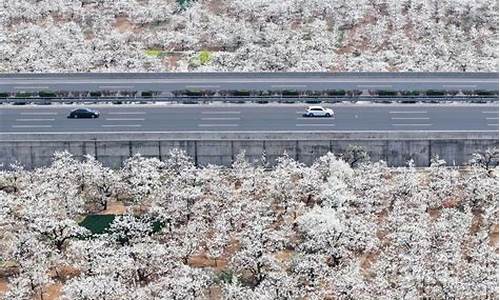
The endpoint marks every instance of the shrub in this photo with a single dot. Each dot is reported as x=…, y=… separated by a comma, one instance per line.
x=240, y=93
x=435, y=93
x=336, y=92
x=24, y=95
x=289, y=93
x=4, y=95
x=386, y=93
x=95, y=94
x=46, y=94
x=205, y=57
x=485, y=93
x=410, y=93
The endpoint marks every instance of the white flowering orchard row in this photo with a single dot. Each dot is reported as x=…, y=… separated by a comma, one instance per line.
x=248, y=35
x=327, y=231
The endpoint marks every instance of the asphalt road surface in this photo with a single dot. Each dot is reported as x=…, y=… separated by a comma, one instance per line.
x=237, y=81
x=267, y=117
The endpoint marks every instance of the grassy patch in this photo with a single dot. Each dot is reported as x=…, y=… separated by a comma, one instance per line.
x=154, y=53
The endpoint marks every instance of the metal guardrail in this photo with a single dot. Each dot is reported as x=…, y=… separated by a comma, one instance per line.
x=242, y=99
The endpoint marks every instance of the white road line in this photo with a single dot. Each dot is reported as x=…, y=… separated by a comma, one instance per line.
x=219, y=112
x=127, y=113
x=492, y=118
x=411, y=124
x=315, y=118
x=124, y=119
x=374, y=86
x=490, y=112
x=33, y=120
x=38, y=113
x=202, y=86
x=493, y=124
x=116, y=86
x=31, y=87
x=409, y=112
x=31, y=126
x=289, y=86
x=302, y=125
x=122, y=125
x=422, y=118
x=214, y=119
x=457, y=86
x=218, y=125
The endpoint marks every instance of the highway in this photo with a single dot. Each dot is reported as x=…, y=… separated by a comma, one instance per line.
x=251, y=117
x=165, y=82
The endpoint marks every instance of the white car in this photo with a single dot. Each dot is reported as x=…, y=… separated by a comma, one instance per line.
x=318, y=111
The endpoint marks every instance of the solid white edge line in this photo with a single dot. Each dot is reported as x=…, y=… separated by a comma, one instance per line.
x=490, y=112
x=201, y=86
x=492, y=118
x=492, y=124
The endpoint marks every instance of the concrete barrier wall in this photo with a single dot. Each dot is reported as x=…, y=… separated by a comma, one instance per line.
x=396, y=149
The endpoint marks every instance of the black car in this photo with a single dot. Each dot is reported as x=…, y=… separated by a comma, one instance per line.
x=83, y=113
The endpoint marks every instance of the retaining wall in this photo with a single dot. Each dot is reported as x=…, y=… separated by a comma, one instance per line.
x=221, y=148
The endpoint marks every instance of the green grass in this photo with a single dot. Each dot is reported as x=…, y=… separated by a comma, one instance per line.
x=154, y=53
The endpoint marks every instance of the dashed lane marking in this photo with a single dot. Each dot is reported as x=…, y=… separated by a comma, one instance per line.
x=411, y=124
x=127, y=113
x=303, y=125
x=31, y=126
x=218, y=125
x=409, y=112
x=33, y=120
x=220, y=112
x=416, y=118
x=38, y=113
x=124, y=119
x=122, y=125
x=219, y=119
